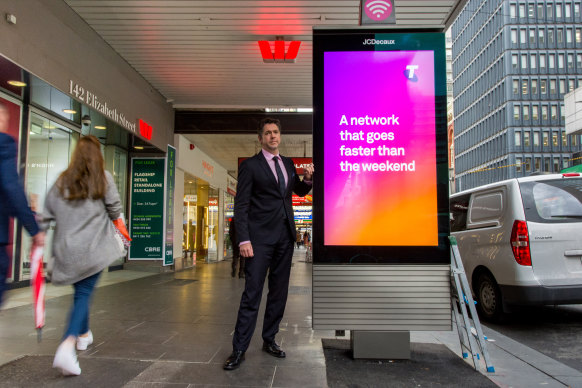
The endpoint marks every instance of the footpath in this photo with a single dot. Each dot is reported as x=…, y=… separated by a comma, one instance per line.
x=175, y=330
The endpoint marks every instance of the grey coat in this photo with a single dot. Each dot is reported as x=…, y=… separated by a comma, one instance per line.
x=84, y=239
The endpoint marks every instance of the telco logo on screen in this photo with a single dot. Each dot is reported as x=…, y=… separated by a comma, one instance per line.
x=409, y=72
x=376, y=41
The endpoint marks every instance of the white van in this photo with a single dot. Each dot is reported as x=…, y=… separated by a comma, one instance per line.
x=521, y=241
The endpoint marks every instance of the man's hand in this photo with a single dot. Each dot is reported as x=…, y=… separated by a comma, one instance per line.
x=38, y=240
x=246, y=250
x=308, y=176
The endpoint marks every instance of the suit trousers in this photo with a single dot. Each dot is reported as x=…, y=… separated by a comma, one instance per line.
x=276, y=259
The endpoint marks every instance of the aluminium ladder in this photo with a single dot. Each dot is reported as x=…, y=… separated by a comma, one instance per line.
x=470, y=333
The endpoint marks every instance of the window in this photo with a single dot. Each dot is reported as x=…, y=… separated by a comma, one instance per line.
x=552, y=86
x=568, y=35
x=524, y=61
x=542, y=61
x=562, y=84
x=565, y=162
x=522, y=10
x=560, y=35
x=526, y=117
x=574, y=140
x=532, y=36
x=526, y=137
x=555, y=139
x=536, y=139
x=517, y=164
x=550, y=11
x=578, y=35
x=528, y=164
x=579, y=61
x=524, y=88
x=516, y=112
x=540, y=11
x=531, y=11
x=551, y=61
x=515, y=87
x=570, y=85
x=554, y=113
x=558, y=10
x=535, y=116
x=568, y=10
x=513, y=36
x=518, y=139
x=546, y=138
x=560, y=61
x=534, y=86
x=577, y=10
x=543, y=86
x=546, y=164
x=522, y=39
x=564, y=139
x=556, y=164
x=532, y=61
x=570, y=61
x=537, y=164
x=541, y=36
x=550, y=36
x=514, y=61
x=513, y=11
x=544, y=115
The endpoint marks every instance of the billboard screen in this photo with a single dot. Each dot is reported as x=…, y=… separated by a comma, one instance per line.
x=379, y=133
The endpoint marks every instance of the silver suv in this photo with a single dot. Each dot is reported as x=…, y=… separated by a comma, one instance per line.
x=521, y=241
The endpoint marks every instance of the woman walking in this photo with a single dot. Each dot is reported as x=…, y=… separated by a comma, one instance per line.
x=82, y=203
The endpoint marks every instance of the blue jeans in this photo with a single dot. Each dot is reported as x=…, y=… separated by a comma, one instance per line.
x=79, y=315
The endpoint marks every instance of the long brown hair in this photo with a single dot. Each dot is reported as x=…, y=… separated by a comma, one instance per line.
x=85, y=176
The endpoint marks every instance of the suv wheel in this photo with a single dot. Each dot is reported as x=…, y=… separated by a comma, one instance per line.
x=489, y=303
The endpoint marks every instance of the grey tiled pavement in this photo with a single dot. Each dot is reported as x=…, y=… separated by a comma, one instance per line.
x=175, y=330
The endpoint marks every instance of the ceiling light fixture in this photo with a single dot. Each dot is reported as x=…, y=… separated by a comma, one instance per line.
x=18, y=84
x=100, y=127
x=70, y=111
x=138, y=147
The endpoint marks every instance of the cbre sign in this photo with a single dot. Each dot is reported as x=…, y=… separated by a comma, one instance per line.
x=377, y=12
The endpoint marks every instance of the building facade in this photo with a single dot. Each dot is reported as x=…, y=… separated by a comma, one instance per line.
x=513, y=63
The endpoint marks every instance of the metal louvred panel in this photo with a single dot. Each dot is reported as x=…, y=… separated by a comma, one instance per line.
x=385, y=297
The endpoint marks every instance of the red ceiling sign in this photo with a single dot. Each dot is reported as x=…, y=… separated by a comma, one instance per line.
x=279, y=55
x=145, y=129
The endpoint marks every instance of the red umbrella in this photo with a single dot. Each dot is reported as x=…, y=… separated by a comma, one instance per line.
x=37, y=282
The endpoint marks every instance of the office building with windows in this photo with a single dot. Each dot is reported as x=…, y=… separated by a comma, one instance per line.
x=513, y=62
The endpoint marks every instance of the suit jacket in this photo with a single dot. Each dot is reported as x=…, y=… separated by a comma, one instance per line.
x=12, y=198
x=258, y=204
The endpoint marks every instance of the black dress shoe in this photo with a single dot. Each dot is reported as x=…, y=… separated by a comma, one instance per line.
x=273, y=349
x=234, y=360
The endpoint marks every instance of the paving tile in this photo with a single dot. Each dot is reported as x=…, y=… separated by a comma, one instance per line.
x=304, y=377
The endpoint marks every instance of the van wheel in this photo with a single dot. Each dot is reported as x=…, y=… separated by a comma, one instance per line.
x=489, y=304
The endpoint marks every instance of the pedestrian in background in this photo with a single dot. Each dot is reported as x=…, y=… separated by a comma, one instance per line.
x=236, y=257
x=82, y=203
x=12, y=198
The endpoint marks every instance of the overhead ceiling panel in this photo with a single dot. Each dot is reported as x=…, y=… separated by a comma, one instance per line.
x=204, y=54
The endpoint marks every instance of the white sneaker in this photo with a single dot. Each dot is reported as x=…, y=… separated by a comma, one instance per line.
x=83, y=342
x=66, y=361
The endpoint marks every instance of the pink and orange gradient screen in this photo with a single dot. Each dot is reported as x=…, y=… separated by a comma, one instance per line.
x=380, y=152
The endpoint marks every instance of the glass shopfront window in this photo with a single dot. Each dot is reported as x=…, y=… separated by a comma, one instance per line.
x=228, y=215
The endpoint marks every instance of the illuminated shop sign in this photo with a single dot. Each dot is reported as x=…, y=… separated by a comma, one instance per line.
x=145, y=129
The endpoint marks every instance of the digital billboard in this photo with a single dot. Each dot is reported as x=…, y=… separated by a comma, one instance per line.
x=380, y=146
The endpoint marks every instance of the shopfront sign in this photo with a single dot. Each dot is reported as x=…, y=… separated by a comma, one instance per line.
x=147, y=209
x=170, y=185
x=231, y=185
x=93, y=101
x=145, y=129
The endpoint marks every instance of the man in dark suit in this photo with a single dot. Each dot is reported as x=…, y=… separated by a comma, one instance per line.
x=13, y=200
x=237, y=259
x=265, y=227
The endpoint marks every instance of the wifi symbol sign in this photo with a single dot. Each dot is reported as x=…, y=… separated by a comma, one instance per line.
x=378, y=9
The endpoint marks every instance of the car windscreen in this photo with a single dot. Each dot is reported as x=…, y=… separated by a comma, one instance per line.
x=553, y=201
